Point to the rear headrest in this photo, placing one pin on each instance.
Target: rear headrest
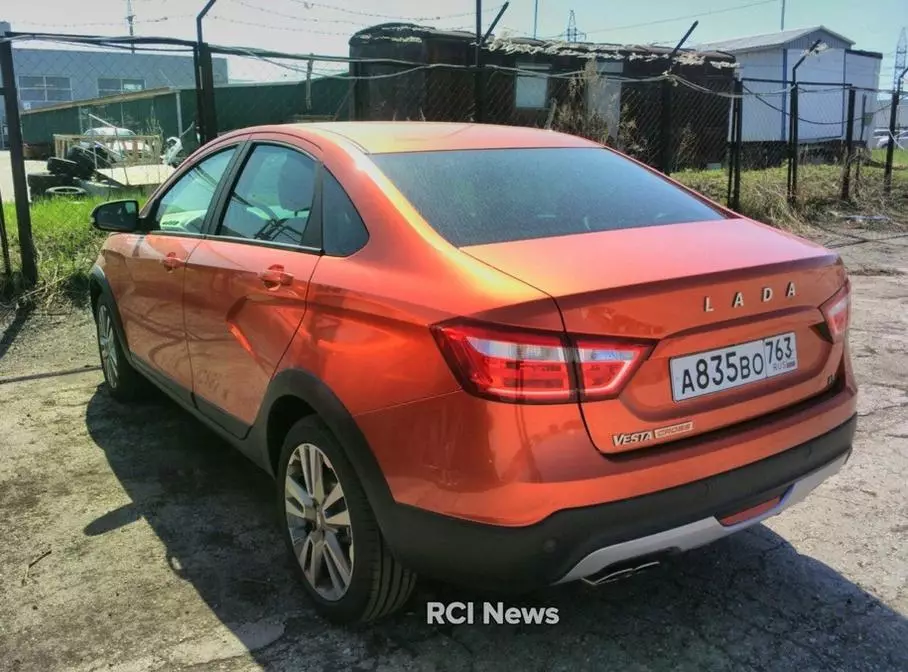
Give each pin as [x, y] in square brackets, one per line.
[296, 183]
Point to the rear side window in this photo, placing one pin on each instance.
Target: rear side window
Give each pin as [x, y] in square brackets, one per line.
[475, 197]
[343, 229]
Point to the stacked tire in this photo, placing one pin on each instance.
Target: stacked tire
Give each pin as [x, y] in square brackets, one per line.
[39, 183]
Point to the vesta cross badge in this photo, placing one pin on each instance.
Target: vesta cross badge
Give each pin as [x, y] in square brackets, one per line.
[737, 300]
[651, 434]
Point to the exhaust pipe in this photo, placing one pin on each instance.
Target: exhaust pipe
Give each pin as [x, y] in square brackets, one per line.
[625, 570]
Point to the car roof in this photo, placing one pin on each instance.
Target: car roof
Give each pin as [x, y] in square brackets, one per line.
[380, 137]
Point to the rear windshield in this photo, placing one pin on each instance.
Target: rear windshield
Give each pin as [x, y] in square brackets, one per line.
[474, 197]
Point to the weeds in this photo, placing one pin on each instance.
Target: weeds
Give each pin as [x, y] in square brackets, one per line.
[66, 247]
[763, 195]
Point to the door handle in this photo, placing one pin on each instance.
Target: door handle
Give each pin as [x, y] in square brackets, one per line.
[276, 276]
[171, 261]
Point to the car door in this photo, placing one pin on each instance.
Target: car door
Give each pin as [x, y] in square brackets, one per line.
[151, 308]
[246, 284]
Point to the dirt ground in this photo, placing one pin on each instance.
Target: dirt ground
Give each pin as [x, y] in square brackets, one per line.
[132, 539]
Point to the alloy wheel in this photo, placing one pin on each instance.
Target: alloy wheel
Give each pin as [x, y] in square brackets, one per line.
[108, 347]
[319, 522]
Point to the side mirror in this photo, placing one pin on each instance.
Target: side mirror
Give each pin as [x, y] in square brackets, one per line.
[117, 216]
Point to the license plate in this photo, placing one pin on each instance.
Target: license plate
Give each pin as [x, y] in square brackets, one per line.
[723, 369]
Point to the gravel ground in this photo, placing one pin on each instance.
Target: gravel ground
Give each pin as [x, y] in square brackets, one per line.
[133, 539]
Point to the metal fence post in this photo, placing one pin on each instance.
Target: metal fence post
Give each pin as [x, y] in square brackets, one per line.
[665, 158]
[732, 149]
[890, 148]
[199, 102]
[479, 113]
[17, 162]
[793, 147]
[209, 113]
[667, 135]
[849, 146]
[739, 143]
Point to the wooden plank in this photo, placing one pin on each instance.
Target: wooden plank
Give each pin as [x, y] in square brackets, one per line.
[133, 149]
[137, 176]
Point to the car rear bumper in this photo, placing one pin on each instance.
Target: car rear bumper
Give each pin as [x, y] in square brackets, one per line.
[592, 542]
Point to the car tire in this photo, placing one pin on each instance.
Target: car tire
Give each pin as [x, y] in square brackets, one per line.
[124, 383]
[345, 587]
[39, 183]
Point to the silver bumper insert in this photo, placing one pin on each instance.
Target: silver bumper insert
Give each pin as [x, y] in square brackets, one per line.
[692, 535]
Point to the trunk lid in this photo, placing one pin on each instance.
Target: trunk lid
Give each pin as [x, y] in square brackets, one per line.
[689, 289]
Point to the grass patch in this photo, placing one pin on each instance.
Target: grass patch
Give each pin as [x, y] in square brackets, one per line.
[899, 157]
[66, 245]
[763, 194]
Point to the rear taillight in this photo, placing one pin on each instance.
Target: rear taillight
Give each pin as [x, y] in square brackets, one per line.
[507, 365]
[606, 366]
[535, 367]
[837, 313]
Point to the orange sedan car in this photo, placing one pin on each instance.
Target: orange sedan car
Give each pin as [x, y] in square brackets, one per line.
[499, 356]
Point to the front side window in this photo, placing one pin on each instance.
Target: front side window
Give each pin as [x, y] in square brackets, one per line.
[272, 200]
[186, 203]
[475, 197]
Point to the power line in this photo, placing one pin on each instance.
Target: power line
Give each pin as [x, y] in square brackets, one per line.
[288, 29]
[680, 18]
[160, 19]
[295, 17]
[357, 12]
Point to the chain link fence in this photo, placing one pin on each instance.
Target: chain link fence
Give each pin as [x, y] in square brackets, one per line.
[104, 118]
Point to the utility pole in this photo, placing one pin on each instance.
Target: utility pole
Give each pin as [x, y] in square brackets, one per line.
[535, 17]
[782, 26]
[130, 19]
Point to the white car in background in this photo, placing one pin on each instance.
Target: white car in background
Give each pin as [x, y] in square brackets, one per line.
[109, 137]
[901, 140]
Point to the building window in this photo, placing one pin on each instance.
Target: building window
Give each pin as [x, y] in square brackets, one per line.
[532, 89]
[45, 89]
[114, 86]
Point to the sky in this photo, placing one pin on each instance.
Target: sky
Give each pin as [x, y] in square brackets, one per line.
[323, 27]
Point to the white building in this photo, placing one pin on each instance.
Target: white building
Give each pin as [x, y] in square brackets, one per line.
[765, 65]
